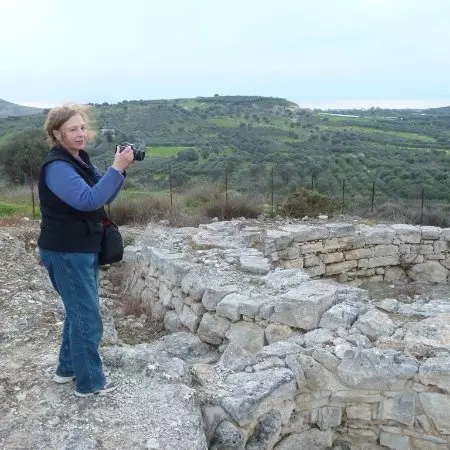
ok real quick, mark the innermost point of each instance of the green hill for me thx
(8, 109)
(403, 151)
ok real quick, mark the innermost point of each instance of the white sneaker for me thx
(62, 380)
(109, 386)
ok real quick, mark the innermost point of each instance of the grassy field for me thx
(162, 152)
(11, 209)
(410, 136)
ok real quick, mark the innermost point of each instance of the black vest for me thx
(63, 228)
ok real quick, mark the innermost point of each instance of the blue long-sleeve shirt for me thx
(65, 182)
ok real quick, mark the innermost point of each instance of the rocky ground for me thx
(151, 409)
(155, 406)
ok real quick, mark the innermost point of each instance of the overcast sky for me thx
(316, 52)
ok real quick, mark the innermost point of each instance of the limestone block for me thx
(330, 258)
(339, 230)
(280, 279)
(340, 315)
(440, 246)
(329, 416)
(375, 368)
(430, 271)
(291, 252)
(400, 408)
(393, 273)
(311, 260)
(276, 332)
(304, 233)
(212, 328)
(352, 242)
(247, 335)
(194, 285)
(279, 239)
(359, 412)
(394, 441)
(252, 395)
(315, 247)
(359, 253)
(255, 264)
(318, 336)
(234, 358)
(428, 334)
(422, 249)
(437, 257)
(375, 324)
(189, 318)
(408, 234)
(292, 263)
(229, 306)
(379, 261)
(330, 245)
(429, 232)
(325, 358)
(315, 271)
(303, 307)
(445, 234)
(335, 269)
(379, 235)
(437, 408)
(385, 250)
(214, 294)
(436, 371)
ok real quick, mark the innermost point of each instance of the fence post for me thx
(343, 195)
(226, 193)
(421, 205)
(272, 193)
(32, 190)
(170, 187)
(109, 207)
(373, 194)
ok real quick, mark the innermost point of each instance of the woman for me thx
(72, 195)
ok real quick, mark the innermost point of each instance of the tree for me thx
(22, 153)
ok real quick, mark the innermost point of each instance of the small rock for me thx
(152, 444)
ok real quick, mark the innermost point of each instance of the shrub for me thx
(141, 210)
(304, 202)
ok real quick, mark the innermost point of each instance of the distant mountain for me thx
(8, 109)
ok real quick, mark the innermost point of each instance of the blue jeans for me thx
(75, 278)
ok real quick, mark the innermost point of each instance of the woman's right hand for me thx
(123, 159)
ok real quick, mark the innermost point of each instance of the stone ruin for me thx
(306, 361)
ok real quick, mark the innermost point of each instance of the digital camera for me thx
(138, 154)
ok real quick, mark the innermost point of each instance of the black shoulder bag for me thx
(112, 244)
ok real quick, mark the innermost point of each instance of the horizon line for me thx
(320, 104)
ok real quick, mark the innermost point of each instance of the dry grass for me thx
(17, 194)
(407, 290)
(191, 208)
(396, 212)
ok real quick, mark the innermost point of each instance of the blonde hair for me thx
(59, 115)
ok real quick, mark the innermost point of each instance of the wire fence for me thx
(369, 199)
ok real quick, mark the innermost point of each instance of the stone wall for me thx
(306, 363)
(354, 253)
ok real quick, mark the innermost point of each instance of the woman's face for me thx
(73, 133)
